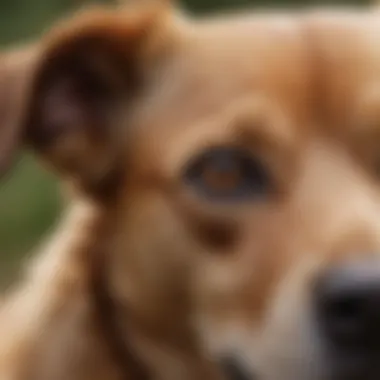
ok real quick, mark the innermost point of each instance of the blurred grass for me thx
(29, 203)
(28, 199)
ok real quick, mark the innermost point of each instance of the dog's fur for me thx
(119, 104)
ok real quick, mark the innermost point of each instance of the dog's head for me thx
(240, 212)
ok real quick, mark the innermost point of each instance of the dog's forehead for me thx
(220, 63)
(349, 63)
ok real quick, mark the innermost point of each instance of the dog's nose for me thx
(348, 306)
(233, 369)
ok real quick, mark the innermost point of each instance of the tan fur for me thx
(193, 280)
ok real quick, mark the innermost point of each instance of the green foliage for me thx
(28, 204)
(28, 200)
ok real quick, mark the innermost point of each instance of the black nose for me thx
(348, 306)
(233, 369)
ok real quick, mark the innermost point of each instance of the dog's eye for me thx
(228, 174)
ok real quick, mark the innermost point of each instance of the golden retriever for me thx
(224, 205)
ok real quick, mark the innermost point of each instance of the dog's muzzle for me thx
(347, 305)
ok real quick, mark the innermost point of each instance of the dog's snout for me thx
(233, 369)
(348, 306)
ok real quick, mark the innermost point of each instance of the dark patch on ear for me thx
(81, 83)
(77, 91)
(84, 71)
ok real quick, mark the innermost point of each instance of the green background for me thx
(29, 200)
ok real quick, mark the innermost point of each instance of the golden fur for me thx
(119, 103)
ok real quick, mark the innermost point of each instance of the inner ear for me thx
(76, 93)
(79, 87)
(86, 71)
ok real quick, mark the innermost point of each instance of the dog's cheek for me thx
(155, 248)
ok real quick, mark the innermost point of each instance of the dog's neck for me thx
(138, 347)
(80, 326)
(63, 332)
(110, 326)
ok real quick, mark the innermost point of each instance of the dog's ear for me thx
(87, 71)
(15, 69)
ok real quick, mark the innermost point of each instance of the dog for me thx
(223, 219)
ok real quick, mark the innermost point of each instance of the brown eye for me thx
(228, 174)
(223, 176)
